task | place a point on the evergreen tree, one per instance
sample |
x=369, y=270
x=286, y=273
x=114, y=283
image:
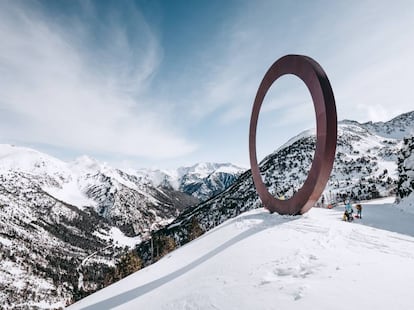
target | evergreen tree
x=406, y=168
x=195, y=230
x=128, y=264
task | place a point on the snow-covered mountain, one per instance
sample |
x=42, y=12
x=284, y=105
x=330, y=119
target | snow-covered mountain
x=397, y=128
x=365, y=168
x=54, y=214
x=202, y=180
x=267, y=261
x=124, y=199
x=65, y=212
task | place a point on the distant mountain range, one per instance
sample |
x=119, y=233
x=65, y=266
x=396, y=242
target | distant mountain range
x=63, y=225
x=55, y=214
x=202, y=180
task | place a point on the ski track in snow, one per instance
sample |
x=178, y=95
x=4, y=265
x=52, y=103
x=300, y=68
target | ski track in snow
x=264, y=261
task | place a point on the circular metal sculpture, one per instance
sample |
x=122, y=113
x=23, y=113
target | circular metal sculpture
x=312, y=74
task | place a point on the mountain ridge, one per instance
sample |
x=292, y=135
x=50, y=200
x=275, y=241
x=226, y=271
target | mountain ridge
x=365, y=168
x=35, y=219
x=201, y=180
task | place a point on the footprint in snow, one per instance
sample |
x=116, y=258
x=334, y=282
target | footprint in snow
x=301, y=266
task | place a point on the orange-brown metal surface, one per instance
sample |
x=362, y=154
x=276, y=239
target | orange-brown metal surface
x=312, y=74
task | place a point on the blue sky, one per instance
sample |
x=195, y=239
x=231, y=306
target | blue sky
x=171, y=83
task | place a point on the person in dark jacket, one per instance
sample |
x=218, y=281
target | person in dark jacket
x=348, y=211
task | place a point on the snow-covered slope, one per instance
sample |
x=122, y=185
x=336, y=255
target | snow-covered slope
x=266, y=261
x=202, y=180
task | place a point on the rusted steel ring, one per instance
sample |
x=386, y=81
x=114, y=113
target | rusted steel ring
x=312, y=74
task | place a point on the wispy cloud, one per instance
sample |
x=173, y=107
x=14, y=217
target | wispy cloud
x=366, y=49
x=97, y=80
x=66, y=84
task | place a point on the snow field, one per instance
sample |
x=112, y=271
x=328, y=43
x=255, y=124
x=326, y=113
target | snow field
x=118, y=237
x=266, y=261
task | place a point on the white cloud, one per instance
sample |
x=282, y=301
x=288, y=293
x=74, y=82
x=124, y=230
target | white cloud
x=60, y=85
x=366, y=49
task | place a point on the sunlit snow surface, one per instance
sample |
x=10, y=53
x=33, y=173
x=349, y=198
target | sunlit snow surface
x=266, y=261
x=119, y=237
